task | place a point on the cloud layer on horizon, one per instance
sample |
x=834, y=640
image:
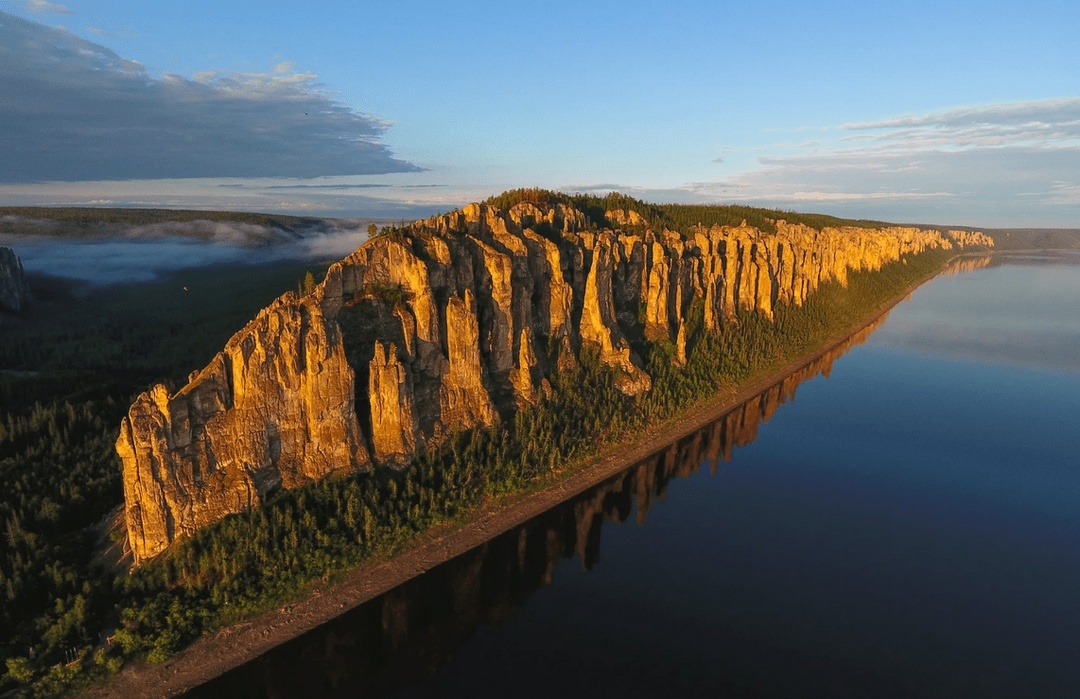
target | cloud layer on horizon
x=1005, y=164
x=74, y=110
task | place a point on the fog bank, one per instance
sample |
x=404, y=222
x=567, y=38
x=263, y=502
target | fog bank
x=142, y=253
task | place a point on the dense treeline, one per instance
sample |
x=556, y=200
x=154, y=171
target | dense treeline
x=130, y=335
x=57, y=477
x=678, y=217
x=60, y=477
x=69, y=369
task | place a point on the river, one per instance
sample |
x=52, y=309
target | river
x=908, y=526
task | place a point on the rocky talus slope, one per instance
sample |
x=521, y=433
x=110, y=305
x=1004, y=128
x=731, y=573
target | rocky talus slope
x=451, y=323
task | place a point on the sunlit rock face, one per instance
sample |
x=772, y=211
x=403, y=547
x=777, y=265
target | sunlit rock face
x=274, y=408
x=13, y=290
x=393, y=421
x=451, y=323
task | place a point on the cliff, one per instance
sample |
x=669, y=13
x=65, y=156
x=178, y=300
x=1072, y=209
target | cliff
x=13, y=289
x=451, y=323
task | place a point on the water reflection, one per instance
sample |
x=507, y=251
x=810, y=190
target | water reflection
x=963, y=265
x=1043, y=258
x=1020, y=308
x=387, y=645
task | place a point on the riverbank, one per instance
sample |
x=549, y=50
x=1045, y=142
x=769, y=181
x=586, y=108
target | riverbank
x=235, y=645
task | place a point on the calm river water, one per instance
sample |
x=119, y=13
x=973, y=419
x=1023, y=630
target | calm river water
x=908, y=526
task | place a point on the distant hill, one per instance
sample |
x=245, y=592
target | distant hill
x=92, y=222
x=1035, y=238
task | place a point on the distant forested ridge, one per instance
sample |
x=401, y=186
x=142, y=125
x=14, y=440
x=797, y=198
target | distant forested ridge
x=1035, y=238
x=90, y=222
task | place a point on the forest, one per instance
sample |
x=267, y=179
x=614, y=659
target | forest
x=677, y=217
x=69, y=614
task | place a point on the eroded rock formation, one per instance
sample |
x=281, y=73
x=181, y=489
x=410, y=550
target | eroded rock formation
x=451, y=323
x=274, y=408
x=13, y=289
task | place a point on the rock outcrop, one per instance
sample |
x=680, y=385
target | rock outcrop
x=393, y=422
x=452, y=323
x=966, y=239
x=13, y=289
x=275, y=408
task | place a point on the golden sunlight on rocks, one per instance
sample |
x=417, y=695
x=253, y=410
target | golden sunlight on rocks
x=451, y=323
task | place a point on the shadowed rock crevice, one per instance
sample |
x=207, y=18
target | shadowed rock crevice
x=366, y=321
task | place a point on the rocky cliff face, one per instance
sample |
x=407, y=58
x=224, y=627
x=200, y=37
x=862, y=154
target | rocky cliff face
x=275, y=408
x=451, y=323
x=13, y=289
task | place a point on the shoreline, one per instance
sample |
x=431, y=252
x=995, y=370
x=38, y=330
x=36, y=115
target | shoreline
x=237, y=644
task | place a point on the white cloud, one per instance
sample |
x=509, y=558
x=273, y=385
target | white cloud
x=1067, y=193
x=1006, y=164
x=74, y=110
x=836, y=196
x=111, y=33
x=43, y=6
x=1046, y=123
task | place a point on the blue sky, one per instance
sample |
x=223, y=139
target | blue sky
x=943, y=112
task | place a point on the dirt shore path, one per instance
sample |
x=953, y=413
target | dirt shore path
x=213, y=656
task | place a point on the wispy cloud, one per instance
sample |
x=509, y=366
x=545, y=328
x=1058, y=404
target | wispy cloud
x=112, y=33
x=1005, y=164
x=40, y=6
x=1047, y=118
x=1046, y=123
x=75, y=110
x=1066, y=193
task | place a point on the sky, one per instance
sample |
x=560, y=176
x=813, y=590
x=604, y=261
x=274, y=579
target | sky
x=947, y=112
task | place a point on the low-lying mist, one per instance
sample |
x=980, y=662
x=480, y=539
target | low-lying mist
x=142, y=253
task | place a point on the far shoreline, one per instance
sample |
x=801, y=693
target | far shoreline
x=235, y=645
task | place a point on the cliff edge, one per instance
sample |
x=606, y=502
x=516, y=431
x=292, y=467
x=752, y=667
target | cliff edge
x=451, y=323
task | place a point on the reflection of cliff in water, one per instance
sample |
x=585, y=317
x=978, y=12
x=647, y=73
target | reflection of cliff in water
x=963, y=265
x=1033, y=258
x=392, y=642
